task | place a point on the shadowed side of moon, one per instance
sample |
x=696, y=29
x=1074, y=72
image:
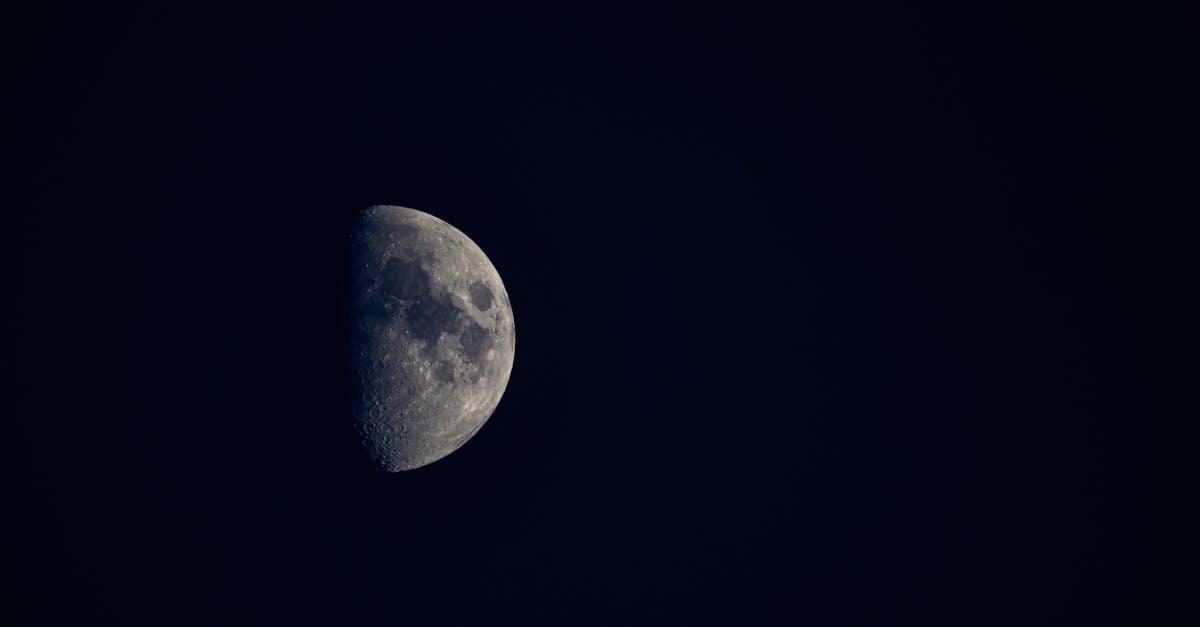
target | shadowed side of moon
x=433, y=337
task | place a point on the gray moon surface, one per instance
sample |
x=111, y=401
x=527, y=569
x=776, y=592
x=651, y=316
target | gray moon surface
x=432, y=339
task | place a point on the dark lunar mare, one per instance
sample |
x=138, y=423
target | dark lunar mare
x=404, y=280
x=430, y=317
x=403, y=286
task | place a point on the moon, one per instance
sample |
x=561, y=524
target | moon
x=432, y=337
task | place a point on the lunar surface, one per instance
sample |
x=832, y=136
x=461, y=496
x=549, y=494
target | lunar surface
x=432, y=337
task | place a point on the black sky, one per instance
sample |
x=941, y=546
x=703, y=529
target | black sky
x=860, y=314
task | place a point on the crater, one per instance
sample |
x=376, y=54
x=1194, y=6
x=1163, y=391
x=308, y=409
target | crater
x=481, y=296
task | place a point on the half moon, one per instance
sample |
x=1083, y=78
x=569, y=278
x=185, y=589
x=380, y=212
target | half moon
x=433, y=337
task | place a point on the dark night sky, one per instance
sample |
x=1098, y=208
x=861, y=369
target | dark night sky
x=860, y=314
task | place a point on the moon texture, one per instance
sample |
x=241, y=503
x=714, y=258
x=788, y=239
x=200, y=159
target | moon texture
x=433, y=337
